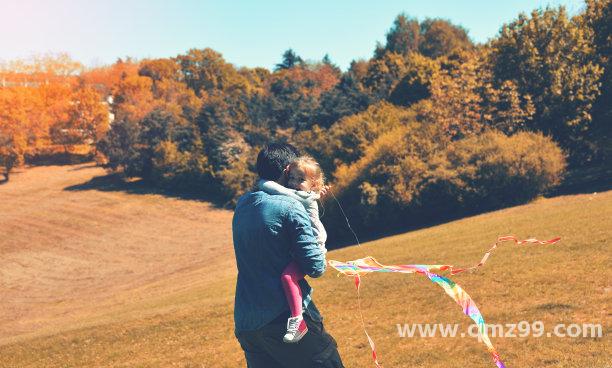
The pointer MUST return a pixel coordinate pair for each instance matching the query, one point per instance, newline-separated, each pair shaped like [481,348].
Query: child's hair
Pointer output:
[312,171]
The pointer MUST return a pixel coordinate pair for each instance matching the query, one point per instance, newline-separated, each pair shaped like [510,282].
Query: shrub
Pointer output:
[497,170]
[179,169]
[349,138]
[415,174]
[8,160]
[389,176]
[120,146]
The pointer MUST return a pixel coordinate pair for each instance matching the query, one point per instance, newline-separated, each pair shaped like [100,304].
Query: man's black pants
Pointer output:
[264,348]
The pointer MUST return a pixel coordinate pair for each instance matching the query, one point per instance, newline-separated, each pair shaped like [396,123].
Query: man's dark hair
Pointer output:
[273,159]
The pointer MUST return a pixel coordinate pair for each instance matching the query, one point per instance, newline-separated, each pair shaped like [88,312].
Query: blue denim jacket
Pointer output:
[268,232]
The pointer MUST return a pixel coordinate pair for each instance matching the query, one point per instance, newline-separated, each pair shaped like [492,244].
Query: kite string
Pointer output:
[345,217]
[357,284]
[370,341]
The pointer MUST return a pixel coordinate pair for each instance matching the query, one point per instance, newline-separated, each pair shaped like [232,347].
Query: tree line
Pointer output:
[432,123]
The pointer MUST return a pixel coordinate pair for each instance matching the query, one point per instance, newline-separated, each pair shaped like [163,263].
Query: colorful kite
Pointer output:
[368,265]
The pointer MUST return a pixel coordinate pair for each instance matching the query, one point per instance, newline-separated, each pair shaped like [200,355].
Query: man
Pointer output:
[267,231]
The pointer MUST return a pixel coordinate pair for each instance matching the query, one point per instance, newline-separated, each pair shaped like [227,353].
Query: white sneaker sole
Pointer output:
[296,339]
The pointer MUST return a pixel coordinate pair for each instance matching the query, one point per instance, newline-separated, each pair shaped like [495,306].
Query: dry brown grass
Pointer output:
[111,279]
[76,257]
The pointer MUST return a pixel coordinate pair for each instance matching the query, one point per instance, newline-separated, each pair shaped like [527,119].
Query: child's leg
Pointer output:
[290,277]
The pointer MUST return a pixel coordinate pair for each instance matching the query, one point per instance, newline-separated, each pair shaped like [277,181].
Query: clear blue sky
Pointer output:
[247,33]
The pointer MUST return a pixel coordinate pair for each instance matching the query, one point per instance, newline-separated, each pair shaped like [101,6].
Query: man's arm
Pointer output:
[308,254]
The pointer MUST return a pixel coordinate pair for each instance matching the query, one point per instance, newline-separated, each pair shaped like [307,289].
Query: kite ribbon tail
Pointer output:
[501,239]
[469,308]
[372,346]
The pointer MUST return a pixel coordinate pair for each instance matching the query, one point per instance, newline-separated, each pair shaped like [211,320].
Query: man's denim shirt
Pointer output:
[269,231]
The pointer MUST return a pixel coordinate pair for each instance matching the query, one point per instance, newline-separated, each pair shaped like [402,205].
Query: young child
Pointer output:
[303,181]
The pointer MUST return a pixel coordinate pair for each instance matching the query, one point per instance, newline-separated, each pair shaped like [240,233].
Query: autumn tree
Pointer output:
[64,134]
[415,85]
[328,62]
[432,37]
[384,73]
[295,94]
[348,138]
[42,69]
[257,79]
[9,156]
[120,146]
[597,19]
[168,89]
[465,100]
[348,97]
[163,148]
[13,129]
[51,105]
[105,78]
[205,71]
[178,160]
[547,56]
[440,37]
[159,69]
[226,94]
[53,66]
[133,98]
[89,114]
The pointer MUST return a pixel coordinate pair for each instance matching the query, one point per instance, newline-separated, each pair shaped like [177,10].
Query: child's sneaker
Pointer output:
[296,329]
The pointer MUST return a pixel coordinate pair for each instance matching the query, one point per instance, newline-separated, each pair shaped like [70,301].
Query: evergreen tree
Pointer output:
[290,60]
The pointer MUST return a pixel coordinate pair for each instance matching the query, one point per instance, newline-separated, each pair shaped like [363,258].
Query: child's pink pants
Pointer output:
[290,277]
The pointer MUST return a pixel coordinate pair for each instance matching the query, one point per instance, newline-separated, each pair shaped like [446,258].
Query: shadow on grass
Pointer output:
[554,307]
[345,238]
[90,166]
[115,182]
[584,180]
[57,159]
[577,181]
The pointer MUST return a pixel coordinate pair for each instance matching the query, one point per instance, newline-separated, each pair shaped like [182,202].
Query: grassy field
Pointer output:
[98,275]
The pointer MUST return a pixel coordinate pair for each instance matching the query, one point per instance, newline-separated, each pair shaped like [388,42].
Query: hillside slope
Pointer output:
[94,278]
[74,248]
